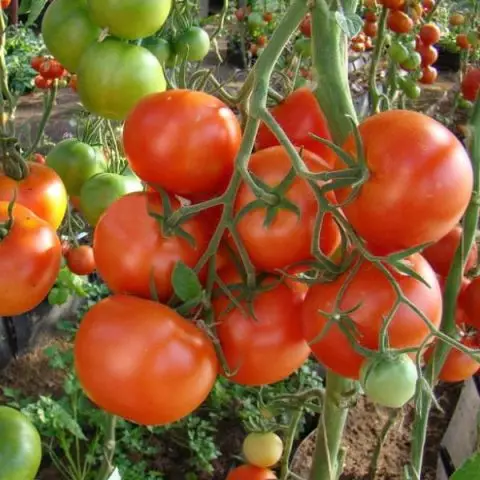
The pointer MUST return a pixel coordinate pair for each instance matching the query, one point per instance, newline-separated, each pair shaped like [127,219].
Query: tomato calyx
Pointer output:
[6,226]
[12,162]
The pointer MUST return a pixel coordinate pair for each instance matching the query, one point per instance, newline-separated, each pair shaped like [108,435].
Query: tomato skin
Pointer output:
[370,29]
[39,158]
[113,92]
[306,26]
[463,42]
[456,19]
[80,260]
[36,61]
[469,300]
[287,240]
[370,16]
[399,22]
[430,34]
[210,148]
[428,53]
[248,343]
[299,115]
[429,75]
[42,192]
[440,255]
[436,181]
[161,48]
[51,69]
[129,246]
[394,4]
[163,365]
[398,52]
[130,19]
[30,257]
[197,41]
[68,31]
[370,289]
[42,83]
[249,472]
[20,446]
[471,84]
[262,449]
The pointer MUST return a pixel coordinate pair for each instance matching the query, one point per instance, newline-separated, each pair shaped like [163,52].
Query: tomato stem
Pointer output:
[107,466]
[7,126]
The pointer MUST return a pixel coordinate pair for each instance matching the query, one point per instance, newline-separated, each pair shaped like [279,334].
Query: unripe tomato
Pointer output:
[306,26]
[456,19]
[261,40]
[268,16]
[430,34]
[471,84]
[51,69]
[416,12]
[394,4]
[39,158]
[196,41]
[42,83]
[429,75]
[80,260]
[398,52]
[399,22]
[370,29]
[262,449]
[255,22]
[303,47]
[462,41]
[36,62]
[428,53]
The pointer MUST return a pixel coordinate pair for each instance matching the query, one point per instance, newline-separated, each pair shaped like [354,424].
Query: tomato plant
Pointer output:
[262,449]
[471,84]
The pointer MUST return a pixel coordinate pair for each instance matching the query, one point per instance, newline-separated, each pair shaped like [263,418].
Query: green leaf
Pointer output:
[185,282]
[35,11]
[25,7]
[469,469]
[350,24]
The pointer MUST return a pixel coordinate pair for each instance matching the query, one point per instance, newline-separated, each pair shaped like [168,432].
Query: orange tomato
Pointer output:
[80,260]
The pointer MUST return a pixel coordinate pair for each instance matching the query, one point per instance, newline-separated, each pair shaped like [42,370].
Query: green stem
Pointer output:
[289,439]
[107,467]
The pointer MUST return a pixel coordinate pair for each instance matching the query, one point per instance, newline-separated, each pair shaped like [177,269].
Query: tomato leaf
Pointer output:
[36,7]
[350,24]
[185,283]
[469,469]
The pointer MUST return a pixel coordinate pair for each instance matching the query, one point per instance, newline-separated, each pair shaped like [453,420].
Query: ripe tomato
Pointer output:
[100,191]
[75,162]
[399,22]
[287,240]
[306,26]
[428,53]
[20,446]
[42,83]
[299,115]
[250,343]
[394,4]
[462,41]
[435,187]
[80,260]
[413,61]
[36,61]
[130,19]
[440,255]
[204,159]
[430,34]
[68,31]
[268,16]
[389,380]
[39,158]
[240,14]
[130,246]
[303,47]
[5,3]
[42,192]
[428,4]
[196,41]
[458,366]
[249,472]
[51,69]
[262,449]
[30,256]
[370,16]
[372,293]
[161,48]
[370,29]
[255,22]
[114,76]
[398,52]
[456,19]
[471,84]
[469,300]
[429,75]
[142,361]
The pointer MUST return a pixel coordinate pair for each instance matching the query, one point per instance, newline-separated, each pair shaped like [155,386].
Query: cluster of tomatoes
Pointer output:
[258,24]
[50,70]
[465,40]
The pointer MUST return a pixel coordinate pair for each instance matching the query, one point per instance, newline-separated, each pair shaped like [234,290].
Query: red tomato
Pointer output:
[51,69]
[268,17]
[202,162]
[41,191]
[469,300]
[42,83]
[130,246]
[30,255]
[80,260]
[463,42]
[249,472]
[306,26]
[429,75]
[428,4]
[262,40]
[253,49]
[440,255]
[370,16]
[421,175]
[370,29]
[368,43]
[299,115]
[428,53]
[6,3]
[394,4]
[399,22]
[457,19]
[73,83]
[430,34]
[75,201]
[458,366]
[471,84]
[373,294]
[250,343]
[287,240]
[36,62]
[142,361]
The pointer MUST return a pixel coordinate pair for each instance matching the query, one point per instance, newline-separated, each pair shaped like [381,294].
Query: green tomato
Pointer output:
[20,446]
[389,380]
[196,40]
[75,162]
[303,47]
[114,76]
[413,61]
[255,22]
[130,19]
[398,52]
[68,31]
[300,82]
[102,190]
[410,88]
[58,296]
[464,104]
[160,47]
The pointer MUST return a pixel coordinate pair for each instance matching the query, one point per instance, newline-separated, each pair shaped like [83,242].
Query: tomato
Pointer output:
[268,16]
[204,159]
[160,47]
[287,240]
[394,4]
[373,296]
[398,52]
[368,43]
[30,256]
[42,83]
[51,69]
[130,19]
[428,53]
[370,29]
[68,31]
[410,88]
[114,76]
[413,61]
[430,34]
[5,3]
[262,449]
[39,158]
[456,19]
[240,14]
[458,366]
[75,162]
[80,260]
[196,41]
[428,4]
[142,361]
[416,12]
[358,47]
[303,47]
[440,255]
[360,38]
[36,61]
[462,41]
[73,83]
[306,26]
[262,40]
[299,115]
[469,300]
[389,380]
[253,49]
[130,246]
[435,186]
[399,22]
[370,16]
[471,84]
[42,192]
[20,446]
[249,343]
[255,22]
[249,472]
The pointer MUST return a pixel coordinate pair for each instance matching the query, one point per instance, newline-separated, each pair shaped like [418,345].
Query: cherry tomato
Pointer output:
[161,48]
[5,3]
[428,53]
[73,83]
[394,4]
[204,160]
[249,472]
[436,181]
[456,19]
[262,449]
[36,61]
[42,83]
[462,41]
[306,26]
[430,34]
[368,43]
[142,361]
[371,297]
[268,16]
[370,16]
[80,260]
[51,69]
[303,47]
[399,22]
[428,4]
[398,53]
[471,84]
[195,41]
[469,300]
[413,61]
[41,191]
